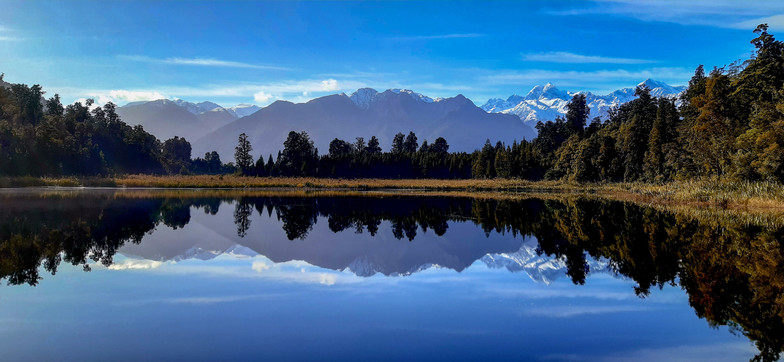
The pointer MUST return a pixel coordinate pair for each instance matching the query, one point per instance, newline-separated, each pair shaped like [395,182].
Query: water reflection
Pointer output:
[732,272]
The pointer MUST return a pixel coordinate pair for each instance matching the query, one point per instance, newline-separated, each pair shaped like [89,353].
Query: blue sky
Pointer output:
[258,52]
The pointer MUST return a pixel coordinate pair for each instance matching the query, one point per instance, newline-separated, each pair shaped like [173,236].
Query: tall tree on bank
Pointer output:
[242,154]
[176,155]
[577,113]
[299,156]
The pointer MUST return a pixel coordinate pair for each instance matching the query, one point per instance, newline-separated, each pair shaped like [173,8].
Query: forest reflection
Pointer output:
[733,273]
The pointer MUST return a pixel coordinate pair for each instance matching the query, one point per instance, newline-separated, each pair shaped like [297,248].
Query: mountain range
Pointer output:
[168,118]
[544,103]
[367,112]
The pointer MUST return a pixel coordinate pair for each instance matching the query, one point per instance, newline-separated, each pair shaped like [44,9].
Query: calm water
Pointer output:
[126,275]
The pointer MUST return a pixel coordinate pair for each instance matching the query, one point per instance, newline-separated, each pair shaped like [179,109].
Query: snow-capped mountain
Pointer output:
[364,97]
[540,268]
[243,110]
[544,103]
[196,108]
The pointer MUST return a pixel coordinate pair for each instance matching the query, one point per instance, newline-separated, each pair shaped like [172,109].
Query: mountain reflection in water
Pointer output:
[733,274]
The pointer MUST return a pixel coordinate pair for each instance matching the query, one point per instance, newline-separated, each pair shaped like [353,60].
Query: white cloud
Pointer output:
[717,352]
[95,105]
[206,62]
[329,85]
[775,21]
[328,279]
[439,36]
[573,311]
[5,34]
[292,90]
[566,57]
[262,97]
[717,13]
[582,77]
[260,266]
[134,264]
[134,96]
[208,300]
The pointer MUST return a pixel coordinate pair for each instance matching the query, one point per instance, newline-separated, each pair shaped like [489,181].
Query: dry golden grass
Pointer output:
[739,197]
[208,181]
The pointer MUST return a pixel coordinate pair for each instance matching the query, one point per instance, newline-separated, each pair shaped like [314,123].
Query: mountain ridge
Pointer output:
[367,113]
[545,103]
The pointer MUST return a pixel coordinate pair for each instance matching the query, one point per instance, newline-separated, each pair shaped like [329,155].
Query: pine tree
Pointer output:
[242,156]
[577,112]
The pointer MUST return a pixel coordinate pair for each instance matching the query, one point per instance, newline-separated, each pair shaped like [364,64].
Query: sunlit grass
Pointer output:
[726,196]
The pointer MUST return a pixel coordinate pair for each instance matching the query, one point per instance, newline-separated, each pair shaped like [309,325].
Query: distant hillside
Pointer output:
[367,113]
[168,118]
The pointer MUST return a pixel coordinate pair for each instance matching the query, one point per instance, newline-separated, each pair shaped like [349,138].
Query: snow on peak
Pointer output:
[546,91]
[243,109]
[363,97]
[545,102]
[661,89]
[540,268]
[195,108]
[415,95]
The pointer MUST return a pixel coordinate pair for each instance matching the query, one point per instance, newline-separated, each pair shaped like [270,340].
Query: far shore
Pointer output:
[739,196]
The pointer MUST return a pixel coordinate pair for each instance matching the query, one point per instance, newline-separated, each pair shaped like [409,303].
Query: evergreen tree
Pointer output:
[411,144]
[176,155]
[242,155]
[373,146]
[440,146]
[577,113]
[299,156]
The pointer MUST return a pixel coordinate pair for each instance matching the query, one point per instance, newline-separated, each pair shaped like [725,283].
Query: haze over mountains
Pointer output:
[365,113]
[168,118]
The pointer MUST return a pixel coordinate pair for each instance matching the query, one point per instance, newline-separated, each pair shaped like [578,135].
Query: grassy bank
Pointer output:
[720,194]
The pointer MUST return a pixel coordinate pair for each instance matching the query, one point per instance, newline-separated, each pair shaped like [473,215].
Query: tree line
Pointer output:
[728,123]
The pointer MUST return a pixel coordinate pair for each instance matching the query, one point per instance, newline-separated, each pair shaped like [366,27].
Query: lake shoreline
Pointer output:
[748,196]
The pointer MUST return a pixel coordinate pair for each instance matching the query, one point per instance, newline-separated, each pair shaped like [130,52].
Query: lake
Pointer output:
[106,274]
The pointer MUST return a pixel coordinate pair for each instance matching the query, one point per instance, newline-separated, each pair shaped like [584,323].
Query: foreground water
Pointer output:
[128,275]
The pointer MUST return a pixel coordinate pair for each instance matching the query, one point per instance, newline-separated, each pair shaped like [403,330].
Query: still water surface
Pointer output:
[128,275]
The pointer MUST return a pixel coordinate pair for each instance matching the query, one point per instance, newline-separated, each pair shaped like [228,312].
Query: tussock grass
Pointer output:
[730,197]
[207,181]
[27,181]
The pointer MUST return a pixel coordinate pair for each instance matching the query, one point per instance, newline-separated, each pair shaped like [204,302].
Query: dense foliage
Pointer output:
[40,137]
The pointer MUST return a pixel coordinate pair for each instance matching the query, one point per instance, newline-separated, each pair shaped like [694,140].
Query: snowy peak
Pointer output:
[363,97]
[243,110]
[540,268]
[661,89]
[546,91]
[415,95]
[195,108]
[546,102]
